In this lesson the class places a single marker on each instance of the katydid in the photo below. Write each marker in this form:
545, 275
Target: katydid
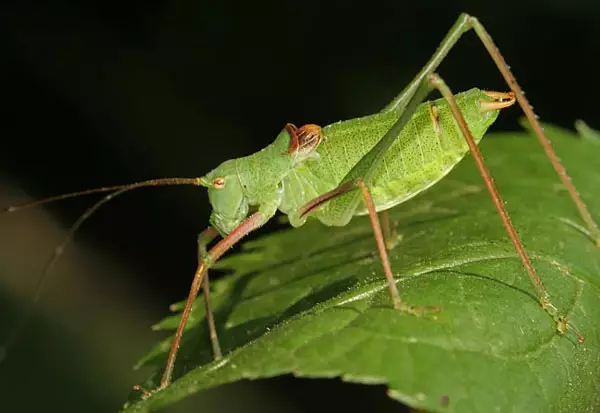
367, 165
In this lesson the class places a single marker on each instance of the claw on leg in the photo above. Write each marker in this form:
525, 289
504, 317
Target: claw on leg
422, 310
145, 393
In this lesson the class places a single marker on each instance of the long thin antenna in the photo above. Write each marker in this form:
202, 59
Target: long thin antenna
151, 182
58, 251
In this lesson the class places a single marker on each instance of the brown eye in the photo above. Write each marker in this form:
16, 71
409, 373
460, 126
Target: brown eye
219, 183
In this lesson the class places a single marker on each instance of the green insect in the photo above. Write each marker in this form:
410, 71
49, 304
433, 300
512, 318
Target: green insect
360, 166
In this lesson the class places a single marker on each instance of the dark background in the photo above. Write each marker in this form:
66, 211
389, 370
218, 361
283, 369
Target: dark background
116, 92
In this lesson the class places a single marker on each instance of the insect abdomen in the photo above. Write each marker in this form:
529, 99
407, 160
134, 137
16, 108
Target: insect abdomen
428, 148
425, 151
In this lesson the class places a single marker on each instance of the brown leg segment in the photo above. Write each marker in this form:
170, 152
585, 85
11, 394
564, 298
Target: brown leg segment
205, 238
253, 222
492, 49
385, 260
561, 322
463, 24
327, 196
379, 238
210, 319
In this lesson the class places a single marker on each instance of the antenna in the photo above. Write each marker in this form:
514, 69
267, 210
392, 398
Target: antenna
59, 249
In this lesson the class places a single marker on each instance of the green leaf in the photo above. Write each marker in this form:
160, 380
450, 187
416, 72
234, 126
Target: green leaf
313, 301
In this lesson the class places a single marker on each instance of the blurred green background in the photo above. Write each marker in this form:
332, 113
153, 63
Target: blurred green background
113, 92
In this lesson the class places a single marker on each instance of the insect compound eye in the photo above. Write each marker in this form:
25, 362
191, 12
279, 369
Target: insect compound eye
219, 183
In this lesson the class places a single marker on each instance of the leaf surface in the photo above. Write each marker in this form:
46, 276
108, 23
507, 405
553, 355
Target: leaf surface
313, 301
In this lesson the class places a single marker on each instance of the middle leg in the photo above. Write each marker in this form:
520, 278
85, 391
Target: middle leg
205, 238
